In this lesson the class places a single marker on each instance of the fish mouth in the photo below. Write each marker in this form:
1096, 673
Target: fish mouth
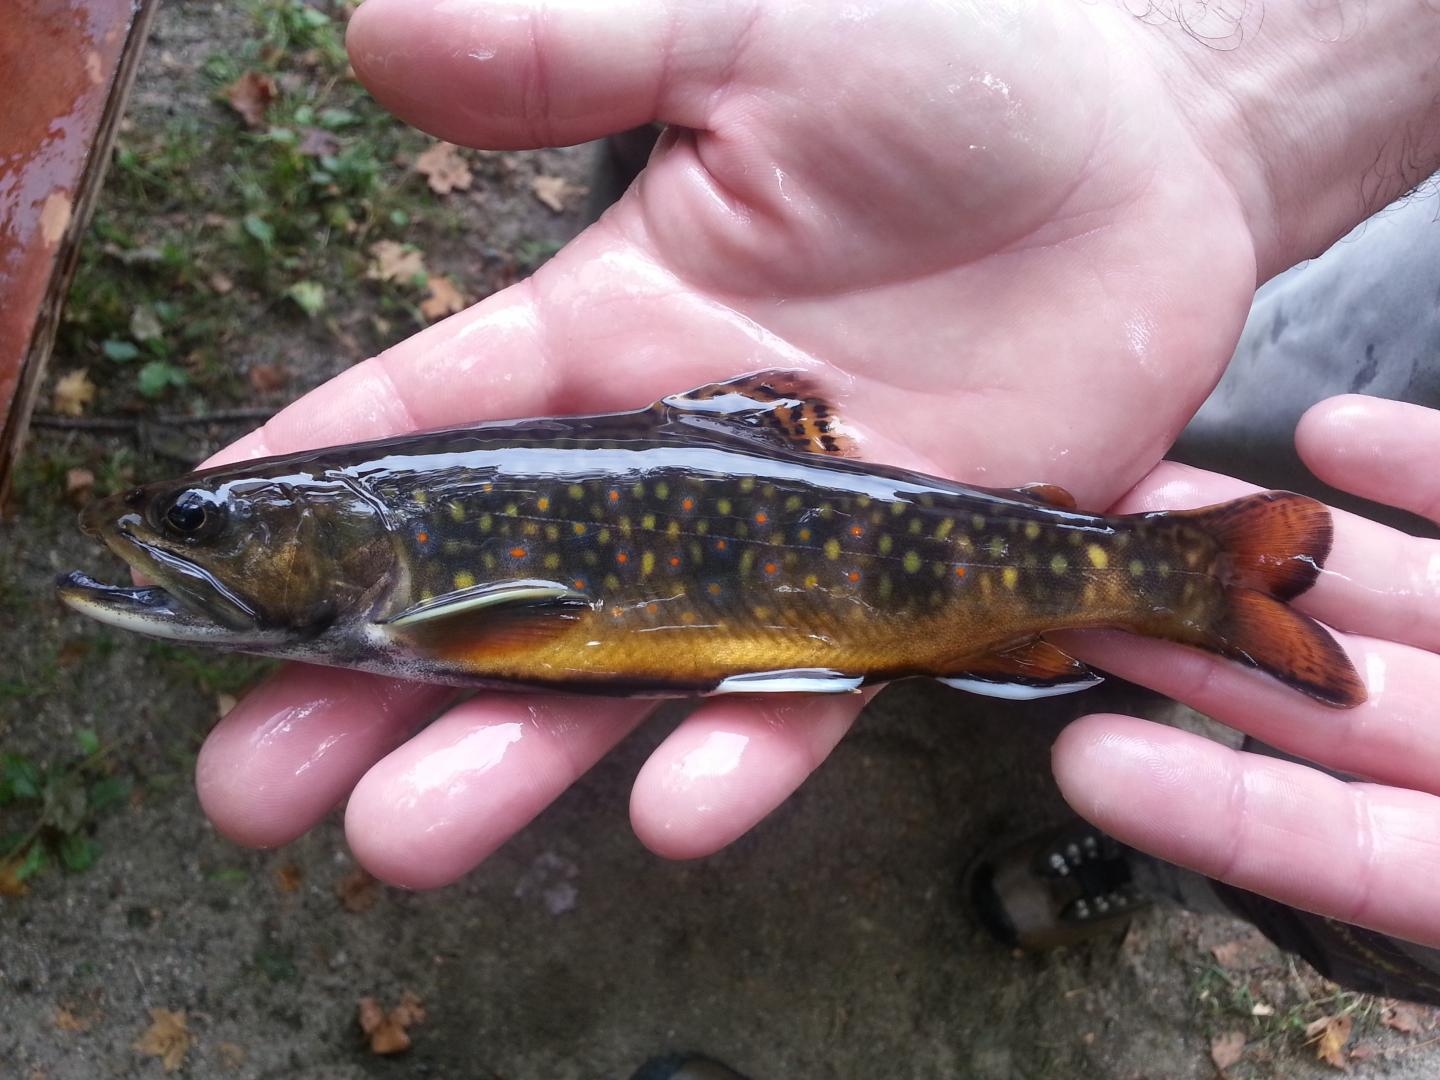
188, 605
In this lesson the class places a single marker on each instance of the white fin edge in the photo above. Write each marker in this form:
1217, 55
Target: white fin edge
1019, 691
790, 681
491, 594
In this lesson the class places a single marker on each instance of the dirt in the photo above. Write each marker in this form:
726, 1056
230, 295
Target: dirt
833, 941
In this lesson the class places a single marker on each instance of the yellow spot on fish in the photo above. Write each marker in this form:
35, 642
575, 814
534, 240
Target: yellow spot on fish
611, 582
457, 510
422, 498
804, 535
794, 502
832, 548
486, 521
747, 561
576, 491
747, 484
638, 491
943, 529
897, 508
886, 544
1059, 563
1097, 556
488, 560
662, 490
1010, 576
672, 530
996, 547
603, 536
543, 503
1076, 537
552, 561
827, 512
647, 563
862, 501
722, 506
648, 521
1137, 568
713, 588
464, 580
531, 528
511, 509
938, 569
977, 521
1032, 530
552, 532
702, 527
769, 491
886, 586
811, 581
911, 562
1163, 569
916, 524
427, 594
579, 528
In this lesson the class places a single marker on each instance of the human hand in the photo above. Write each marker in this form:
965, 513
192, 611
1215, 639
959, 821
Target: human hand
1363, 852
965, 222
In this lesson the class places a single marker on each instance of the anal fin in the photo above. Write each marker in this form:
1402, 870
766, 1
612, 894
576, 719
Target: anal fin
1034, 670
784, 408
790, 681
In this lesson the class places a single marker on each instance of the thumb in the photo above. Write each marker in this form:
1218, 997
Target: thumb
512, 74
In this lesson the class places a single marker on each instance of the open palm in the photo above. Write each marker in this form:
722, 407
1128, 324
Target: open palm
991, 235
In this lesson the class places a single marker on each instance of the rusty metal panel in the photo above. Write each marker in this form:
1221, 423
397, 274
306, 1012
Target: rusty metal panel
65, 69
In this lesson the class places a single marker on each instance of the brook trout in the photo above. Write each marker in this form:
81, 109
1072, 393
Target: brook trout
720, 541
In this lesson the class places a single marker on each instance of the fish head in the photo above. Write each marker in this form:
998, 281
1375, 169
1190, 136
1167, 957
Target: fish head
237, 558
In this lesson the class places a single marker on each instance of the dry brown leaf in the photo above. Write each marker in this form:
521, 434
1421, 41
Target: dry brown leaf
390, 261
10, 883
251, 95
357, 891
387, 1031
78, 484
557, 193
1251, 949
1227, 1049
442, 299
1330, 1034
268, 378
72, 653
66, 1020
73, 393
288, 877
166, 1038
444, 169
1407, 1018
221, 283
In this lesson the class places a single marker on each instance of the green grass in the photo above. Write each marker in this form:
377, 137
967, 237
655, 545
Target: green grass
205, 220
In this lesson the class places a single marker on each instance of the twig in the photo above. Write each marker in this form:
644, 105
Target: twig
117, 423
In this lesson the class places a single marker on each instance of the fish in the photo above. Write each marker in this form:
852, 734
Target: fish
723, 540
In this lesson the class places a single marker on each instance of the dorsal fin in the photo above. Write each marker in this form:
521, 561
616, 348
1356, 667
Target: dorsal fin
785, 408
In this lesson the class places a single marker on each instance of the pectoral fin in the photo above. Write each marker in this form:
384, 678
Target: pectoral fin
1034, 670
1046, 495
490, 620
782, 408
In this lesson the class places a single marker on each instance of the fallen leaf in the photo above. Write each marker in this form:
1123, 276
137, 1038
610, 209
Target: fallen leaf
73, 393
224, 703
288, 877
442, 299
72, 652
1262, 1009
444, 169
251, 95
1227, 1049
1363, 1052
78, 484
358, 891
1330, 1034
390, 261
144, 323
1249, 950
166, 1038
387, 1030
11, 884
66, 1020
221, 283
55, 216
317, 142
268, 378
556, 192
1406, 1017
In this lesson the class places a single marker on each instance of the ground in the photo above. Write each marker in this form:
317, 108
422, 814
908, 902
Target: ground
232, 267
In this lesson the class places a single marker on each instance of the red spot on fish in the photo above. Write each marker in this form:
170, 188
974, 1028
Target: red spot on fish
622, 557
761, 518
517, 553
853, 576
614, 498
720, 545
423, 536
959, 571
674, 560
687, 503
771, 568
578, 583
857, 530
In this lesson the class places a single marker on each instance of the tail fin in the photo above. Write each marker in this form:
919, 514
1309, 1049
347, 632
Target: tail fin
1272, 548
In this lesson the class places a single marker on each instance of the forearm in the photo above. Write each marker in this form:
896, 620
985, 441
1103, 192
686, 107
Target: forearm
1318, 115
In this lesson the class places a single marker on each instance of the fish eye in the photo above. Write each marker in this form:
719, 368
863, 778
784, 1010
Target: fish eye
194, 515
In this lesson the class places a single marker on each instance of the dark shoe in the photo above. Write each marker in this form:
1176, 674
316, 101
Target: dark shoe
1058, 888
685, 1067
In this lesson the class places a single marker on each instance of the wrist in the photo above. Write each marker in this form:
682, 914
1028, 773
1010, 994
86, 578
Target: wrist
1315, 123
